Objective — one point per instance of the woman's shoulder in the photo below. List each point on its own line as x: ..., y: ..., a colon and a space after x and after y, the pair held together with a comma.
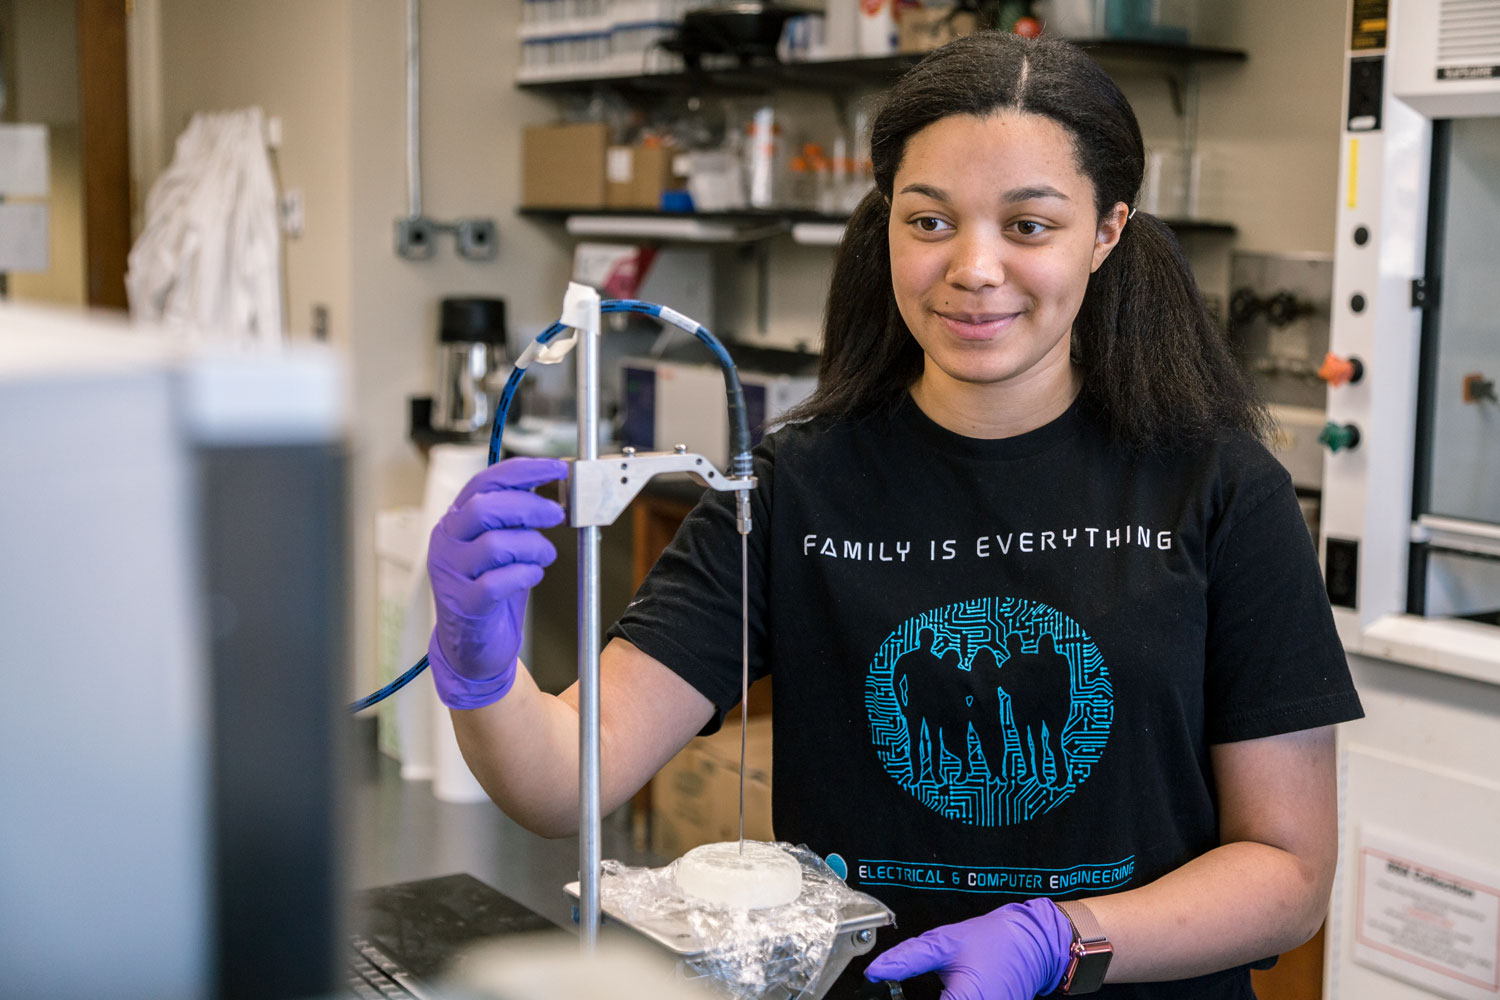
x: 1220, y: 470
x: 1243, y: 458
x: 826, y: 435
x: 1235, y: 470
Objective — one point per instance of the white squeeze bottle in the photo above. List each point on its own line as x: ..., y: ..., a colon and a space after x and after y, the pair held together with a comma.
x: 877, y: 27
x: 841, y: 28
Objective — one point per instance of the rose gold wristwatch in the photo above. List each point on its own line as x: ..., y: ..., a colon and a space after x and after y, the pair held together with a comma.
x: 1089, y: 954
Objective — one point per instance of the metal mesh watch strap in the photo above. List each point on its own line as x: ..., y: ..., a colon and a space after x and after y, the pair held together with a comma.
x: 1082, y: 918
x: 1091, y: 951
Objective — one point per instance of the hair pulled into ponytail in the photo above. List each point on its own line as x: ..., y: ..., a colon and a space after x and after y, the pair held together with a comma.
x: 1155, y: 362
x: 1156, y: 366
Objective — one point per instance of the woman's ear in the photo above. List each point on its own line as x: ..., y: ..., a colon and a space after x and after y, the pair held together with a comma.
x: 1111, y: 225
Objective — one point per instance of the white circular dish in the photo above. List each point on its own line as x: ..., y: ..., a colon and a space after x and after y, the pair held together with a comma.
x: 763, y: 876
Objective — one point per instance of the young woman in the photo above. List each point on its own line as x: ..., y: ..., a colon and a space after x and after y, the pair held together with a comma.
x: 1045, y: 621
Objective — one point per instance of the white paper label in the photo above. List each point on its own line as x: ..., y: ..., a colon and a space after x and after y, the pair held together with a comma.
x: 595, y: 263
x: 1428, y: 917
x: 23, y: 237
x: 619, y: 165
x: 23, y: 161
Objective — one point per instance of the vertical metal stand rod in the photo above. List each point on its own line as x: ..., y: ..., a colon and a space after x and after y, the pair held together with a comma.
x: 588, y: 653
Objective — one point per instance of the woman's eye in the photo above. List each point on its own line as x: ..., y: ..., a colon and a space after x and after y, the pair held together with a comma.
x: 1027, y: 227
x: 928, y: 224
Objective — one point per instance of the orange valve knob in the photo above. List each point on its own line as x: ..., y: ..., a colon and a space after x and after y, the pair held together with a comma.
x: 1336, y: 370
x: 1339, y: 437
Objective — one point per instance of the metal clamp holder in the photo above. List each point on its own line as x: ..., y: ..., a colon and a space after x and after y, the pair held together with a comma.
x: 600, y: 489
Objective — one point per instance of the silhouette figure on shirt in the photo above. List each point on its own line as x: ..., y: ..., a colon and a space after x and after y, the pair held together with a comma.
x: 1039, y: 687
x: 984, y: 681
x: 937, y: 694
x: 925, y: 688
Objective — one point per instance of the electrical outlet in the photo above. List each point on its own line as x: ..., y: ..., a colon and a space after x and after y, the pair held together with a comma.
x: 477, y: 239
x: 416, y: 238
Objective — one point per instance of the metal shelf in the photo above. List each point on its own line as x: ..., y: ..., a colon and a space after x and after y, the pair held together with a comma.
x: 873, y: 71
x: 748, y: 226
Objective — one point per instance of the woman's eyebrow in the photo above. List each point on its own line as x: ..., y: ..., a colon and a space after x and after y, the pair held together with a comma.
x: 927, y: 190
x: 1030, y: 193
x: 1027, y: 193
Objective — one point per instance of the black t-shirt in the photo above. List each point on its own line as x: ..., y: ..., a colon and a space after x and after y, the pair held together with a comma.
x: 1000, y: 663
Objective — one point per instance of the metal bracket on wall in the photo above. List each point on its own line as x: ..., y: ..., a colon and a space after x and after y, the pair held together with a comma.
x: 416, y: 234
x: 416, y: 237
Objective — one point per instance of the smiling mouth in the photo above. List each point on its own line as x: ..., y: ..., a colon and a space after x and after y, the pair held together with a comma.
x: 977, y: 326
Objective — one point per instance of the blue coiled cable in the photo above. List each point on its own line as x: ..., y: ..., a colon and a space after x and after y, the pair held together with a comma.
x: 739, y: 425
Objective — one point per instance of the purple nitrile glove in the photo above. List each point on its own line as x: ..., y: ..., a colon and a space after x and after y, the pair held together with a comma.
x: 483, y: 558
x: 1017, y: 952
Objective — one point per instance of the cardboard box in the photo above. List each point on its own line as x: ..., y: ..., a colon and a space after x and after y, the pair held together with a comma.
x: 695, y: 798
x: 923, y: 29
x: 636, y: 176
x: 682, y: 803
x: 562, y: 166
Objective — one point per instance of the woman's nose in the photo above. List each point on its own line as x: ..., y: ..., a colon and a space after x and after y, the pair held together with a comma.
x: 976, y: 263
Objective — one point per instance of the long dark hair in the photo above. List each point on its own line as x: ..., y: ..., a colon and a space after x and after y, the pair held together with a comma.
x: 1156, y: 366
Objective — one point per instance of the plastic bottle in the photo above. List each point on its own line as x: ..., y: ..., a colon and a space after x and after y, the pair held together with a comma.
x: 841, y: 29
x: 763, y: 160
x: 877, y: 27
x: 800, y: 192
x: 839, y: 167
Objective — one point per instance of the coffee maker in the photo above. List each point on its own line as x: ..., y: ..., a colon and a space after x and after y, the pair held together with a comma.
x: 471, y: 351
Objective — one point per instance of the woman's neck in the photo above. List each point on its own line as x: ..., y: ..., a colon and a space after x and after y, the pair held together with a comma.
x: 997, y: 410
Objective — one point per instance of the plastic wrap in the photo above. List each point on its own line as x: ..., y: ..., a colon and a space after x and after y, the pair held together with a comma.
x: 759, y: 954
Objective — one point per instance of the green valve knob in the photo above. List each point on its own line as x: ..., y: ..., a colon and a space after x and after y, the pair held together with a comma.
x: 1339, y: 437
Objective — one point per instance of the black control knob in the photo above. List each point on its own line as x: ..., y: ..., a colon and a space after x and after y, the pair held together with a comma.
x: 1244, y: 306
x: 1284, y: 308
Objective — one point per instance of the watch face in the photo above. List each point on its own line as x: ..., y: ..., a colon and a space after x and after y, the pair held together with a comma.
x: 1086, y: 970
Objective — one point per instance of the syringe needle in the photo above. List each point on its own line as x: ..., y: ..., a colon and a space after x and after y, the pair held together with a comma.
x: 744, y: 670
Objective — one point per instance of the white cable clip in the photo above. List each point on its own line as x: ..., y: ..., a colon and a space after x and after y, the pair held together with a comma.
x: 581, y: 312
x: 581, y: 307
x: 546, y: 354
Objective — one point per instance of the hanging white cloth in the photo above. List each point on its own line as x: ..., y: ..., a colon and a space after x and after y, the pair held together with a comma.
x: 209, y: 256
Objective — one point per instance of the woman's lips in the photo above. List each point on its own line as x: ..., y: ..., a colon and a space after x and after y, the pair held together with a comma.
x: 977, y: 326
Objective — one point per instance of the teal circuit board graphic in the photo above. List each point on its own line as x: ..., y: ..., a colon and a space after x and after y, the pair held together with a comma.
x: 989, y: 711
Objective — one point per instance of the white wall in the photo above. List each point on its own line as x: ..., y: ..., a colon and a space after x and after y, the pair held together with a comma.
x: 471, y: 117
x: 1274, y: 121
x: 471, y: 120
x: 291, y: 59
x: 334, y: 73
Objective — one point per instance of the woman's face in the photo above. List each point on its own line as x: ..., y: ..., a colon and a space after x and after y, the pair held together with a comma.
x: 993, y: 236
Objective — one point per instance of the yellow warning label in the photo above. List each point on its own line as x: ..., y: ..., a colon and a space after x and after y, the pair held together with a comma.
x: 1353, y: 172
